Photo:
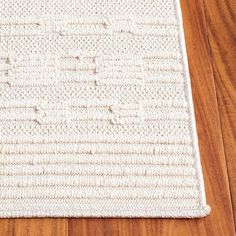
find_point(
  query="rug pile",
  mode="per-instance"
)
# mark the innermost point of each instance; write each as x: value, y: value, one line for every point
x: 96, y: 113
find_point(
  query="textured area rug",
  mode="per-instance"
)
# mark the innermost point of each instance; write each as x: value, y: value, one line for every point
x: 96, y: 112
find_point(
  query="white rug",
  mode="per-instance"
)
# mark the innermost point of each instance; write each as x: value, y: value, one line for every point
x: 96, y: 113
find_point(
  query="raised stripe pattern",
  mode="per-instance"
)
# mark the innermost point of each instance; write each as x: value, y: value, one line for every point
x: 95, y: 113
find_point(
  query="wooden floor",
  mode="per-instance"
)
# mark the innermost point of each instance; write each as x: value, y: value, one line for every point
x: 210, y: 32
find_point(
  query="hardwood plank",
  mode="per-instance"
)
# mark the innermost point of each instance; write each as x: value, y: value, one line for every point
x: 33, y: 227
x: 221, y: 18
x: 220, y: 221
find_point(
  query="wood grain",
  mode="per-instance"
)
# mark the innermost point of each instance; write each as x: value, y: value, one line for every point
x: 220, y: 222
x: 33, y: 227
x: 221, y: 19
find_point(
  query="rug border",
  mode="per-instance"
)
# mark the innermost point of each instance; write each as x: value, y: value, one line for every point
x: 188, y: 93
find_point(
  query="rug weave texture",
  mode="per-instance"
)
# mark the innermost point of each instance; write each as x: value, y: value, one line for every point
x: 96, y: 112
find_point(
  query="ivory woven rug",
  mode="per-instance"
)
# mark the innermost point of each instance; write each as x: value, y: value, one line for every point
x: 96, y: 112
